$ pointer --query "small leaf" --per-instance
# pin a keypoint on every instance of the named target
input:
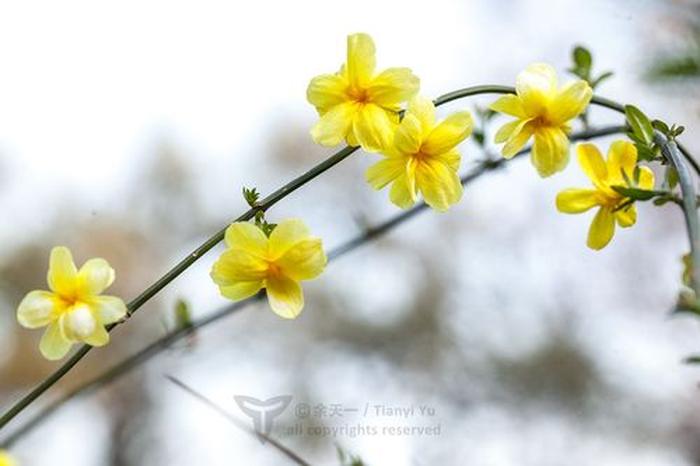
(479, 138)
(251, 196)
(636, 193)
(671, 177)
(695, 359)
(582, 57)
(637, 174)
(183, 317)
(661, 126)
(640, 124)
(687, 269)
(596, 82)
(678, 131)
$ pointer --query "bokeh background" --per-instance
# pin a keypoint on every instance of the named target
(127, 130)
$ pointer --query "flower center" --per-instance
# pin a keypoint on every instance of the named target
(359, 95)
(273, 270)
(68, 301)
(420, 157)
(541, 121)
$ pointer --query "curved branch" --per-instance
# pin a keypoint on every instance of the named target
(265, 204)
(672, 153)
(166, 341)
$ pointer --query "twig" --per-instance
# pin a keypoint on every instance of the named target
(237, 422)
(181, 266)
(670, 150)
(354, 243)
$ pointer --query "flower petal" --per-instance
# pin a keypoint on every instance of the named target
(374, 127)
(285, 235)
(409, 135)
(510, 104)
(79, 322)
(62, 271)
(54, 345)
(241, 290)
(403, 191)
(333, 126)
(439, 185)
(237, 265)
(385, 171)
(37, 309)
(109, 309)
(452, 159)
(602, 229)
(517, 141)
(303, 261)
(246, 236)
(626, 217)
(360, 59)
(450, 132)
(535, 87)
(94, 277)
(423, 109)
(99, 337)
(550, 152)
(393, 86)
(646, 178)
(508, 130)
(575, 201)
(592, 163)
(285, 296)
(622, 155)
(327, 91)
(570, 102)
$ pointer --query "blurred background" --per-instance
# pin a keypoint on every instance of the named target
(127, 130)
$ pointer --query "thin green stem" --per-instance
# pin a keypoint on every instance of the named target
(166, 341)
(265, 204)
(670, 150)
(181, 266)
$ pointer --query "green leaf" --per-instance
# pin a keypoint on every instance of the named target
(695, 359)
(347, 459)
(661, 126)
(582, 57)
(640, 124)
(671, 177)
(183, 317)
(596, 82)
(479, 138)
(687, 66)
(251, 196)
(636, 193)
(687, 269)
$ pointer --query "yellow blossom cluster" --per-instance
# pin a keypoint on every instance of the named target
(382, 112)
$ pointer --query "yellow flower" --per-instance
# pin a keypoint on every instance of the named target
(423, 157)
(74, 310)
(544, 111)
(357, 105)
(278, 263)
(6, 459)
(613, 206)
